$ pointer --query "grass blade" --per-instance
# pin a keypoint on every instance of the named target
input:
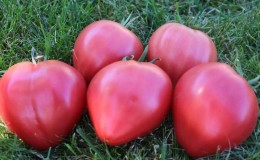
(163, 150)
(86, 139)
(143, 56)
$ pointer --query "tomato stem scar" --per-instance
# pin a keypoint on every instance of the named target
(154, 60)
(36, 58)
(127, 58)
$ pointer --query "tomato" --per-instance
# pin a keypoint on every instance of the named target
(41, 103)
(102, 43)
(180, 48)
(214, 109)
(128, 99)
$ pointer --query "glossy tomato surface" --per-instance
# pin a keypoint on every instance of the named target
(180, 48)
(214, 109)
(101, 43)
(41, 103)
(128, 99)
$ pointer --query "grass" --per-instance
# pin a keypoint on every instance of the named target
(52, 27)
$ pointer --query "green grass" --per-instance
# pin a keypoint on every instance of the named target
(52, 27)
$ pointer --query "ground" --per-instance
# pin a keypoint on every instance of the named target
(52, 26)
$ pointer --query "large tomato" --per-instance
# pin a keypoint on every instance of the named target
(41, 103)
(180, 48)
(102, 43)
(214, 109)
(128, 99)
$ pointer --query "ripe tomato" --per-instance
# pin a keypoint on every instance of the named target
(180, 48)
(42, 102)
(213, 109)
(128, 99)
(102, 43)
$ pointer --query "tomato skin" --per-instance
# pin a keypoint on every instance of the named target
(102, 43)
(180, 48)
(213, 108)
(41, 103)
(128, 99)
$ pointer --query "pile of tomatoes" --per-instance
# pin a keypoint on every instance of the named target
(213, 108)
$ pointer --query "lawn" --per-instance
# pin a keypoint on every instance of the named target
(51, 27)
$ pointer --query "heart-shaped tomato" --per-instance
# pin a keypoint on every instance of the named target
(41, 103)
(214, 109)
(180, 48)
(128, 99)
(101, 43)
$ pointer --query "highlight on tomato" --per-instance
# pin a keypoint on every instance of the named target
(214, 109)
(128, 99)
(180, 48)
(42, 102)
(101, 43)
